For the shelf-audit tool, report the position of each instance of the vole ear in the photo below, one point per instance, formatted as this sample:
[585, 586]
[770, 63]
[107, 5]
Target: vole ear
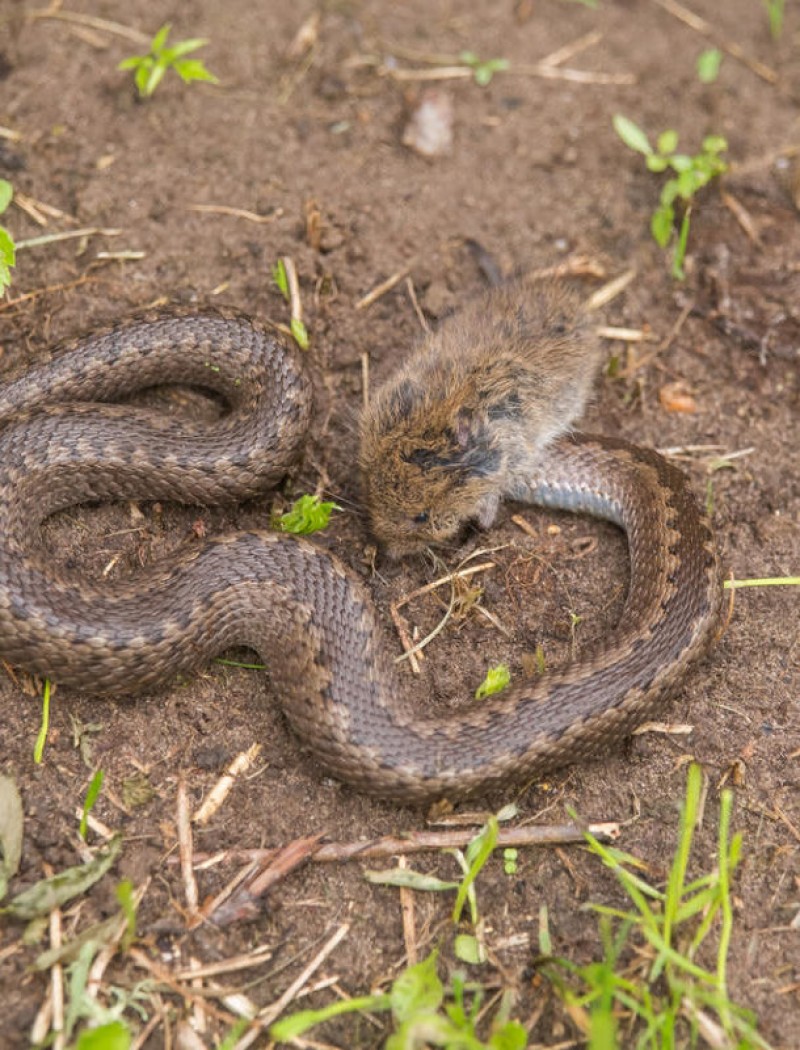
[474, 453]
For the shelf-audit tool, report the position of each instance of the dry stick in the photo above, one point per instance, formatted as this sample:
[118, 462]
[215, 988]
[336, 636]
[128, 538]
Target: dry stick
[742, 216]
[408, 915]
[219, 793]
[57, 982]
[603, 296]
[412, 295]
[271, 1013]
[244, 901]
[90, 21]
[556, 58]
[184, 823]
[384, 287]
[426, 842]
[295, 303]
[238, 213]
[164, 976]
[67, 235]
[405, 639]
[699, 25]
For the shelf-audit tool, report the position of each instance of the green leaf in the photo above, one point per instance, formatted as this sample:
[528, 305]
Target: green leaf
[280, 279]
[6, 194]
[661, 224]
[112, 1036]
[289, 1028]
[469, 949]
[631, 134]
[512, 1036]
[410, 879]
[11, 821]
[680, 162]
[40, 899]
[299, 333]
[189, 69]
[478, 852]
[133, 62]
[183, 47]
[715, 143]
[8, 250]
[656, 163]
[307, 514]
[41, 736]
[667, 141]
[496, 680]
[154, 77]
[708, 64]
[160, 39]
[92, 793]
[417, 990]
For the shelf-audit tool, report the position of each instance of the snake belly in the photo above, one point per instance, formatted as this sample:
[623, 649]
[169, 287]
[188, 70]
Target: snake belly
[297, 606]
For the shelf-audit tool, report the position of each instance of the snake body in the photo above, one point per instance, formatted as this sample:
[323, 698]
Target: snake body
[306, 614]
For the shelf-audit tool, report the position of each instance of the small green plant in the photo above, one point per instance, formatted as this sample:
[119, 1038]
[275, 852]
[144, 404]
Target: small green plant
[775, 15]
[92, 794]
[44, 725]
[692, 173]
[306, 515]
[496, 680]
[8, 250]
[483, 69]
[425, 1013]
[708, 63]
[149, 69]
[650, 970]
[296, 326]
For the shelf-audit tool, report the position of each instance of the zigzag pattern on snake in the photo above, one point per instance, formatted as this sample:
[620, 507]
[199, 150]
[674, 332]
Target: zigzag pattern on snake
[306, 614]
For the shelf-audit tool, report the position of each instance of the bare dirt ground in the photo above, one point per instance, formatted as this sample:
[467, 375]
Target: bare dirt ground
[536, 176]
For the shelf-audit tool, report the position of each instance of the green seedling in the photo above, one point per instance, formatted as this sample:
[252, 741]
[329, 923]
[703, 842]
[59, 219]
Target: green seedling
[149, 69]
[424, 1011]
[306, 515]
[44, 725]
[92, 794]
[650, 971]
[483, 69]
[496, 680]
[8, 250]
[708, 64]
[692, 173]
[296, 326]
[775, 15]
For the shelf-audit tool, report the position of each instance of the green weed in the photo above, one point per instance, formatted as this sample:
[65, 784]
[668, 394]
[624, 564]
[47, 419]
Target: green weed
[92, 794]
[775, 14]
[149, 69]
[296, 326]
[306, 515]
[692, 173]
[483, 69]
[496, 680]
[8, 250]
[708, 63]
[424, 1011]
[649, 973]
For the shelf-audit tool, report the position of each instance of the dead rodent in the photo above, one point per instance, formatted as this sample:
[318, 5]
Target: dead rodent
[443, 441]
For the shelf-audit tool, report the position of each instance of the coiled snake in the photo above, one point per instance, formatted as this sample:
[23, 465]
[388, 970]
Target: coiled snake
[297, 606]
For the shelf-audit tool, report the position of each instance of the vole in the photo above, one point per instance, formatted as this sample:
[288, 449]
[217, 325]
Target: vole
[456, 429]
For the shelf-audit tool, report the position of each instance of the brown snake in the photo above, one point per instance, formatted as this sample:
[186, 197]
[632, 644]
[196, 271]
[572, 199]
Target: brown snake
[296, 605]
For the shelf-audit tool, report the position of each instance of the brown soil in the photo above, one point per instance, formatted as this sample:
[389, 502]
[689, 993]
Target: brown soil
[536, 176]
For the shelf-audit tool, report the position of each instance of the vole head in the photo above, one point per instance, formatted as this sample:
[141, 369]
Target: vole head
[426, 469]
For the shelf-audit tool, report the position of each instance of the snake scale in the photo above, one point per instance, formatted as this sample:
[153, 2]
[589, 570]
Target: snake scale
[297, 606]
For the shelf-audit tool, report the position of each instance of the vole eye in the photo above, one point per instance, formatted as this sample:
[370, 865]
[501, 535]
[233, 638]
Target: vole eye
[421, 518]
